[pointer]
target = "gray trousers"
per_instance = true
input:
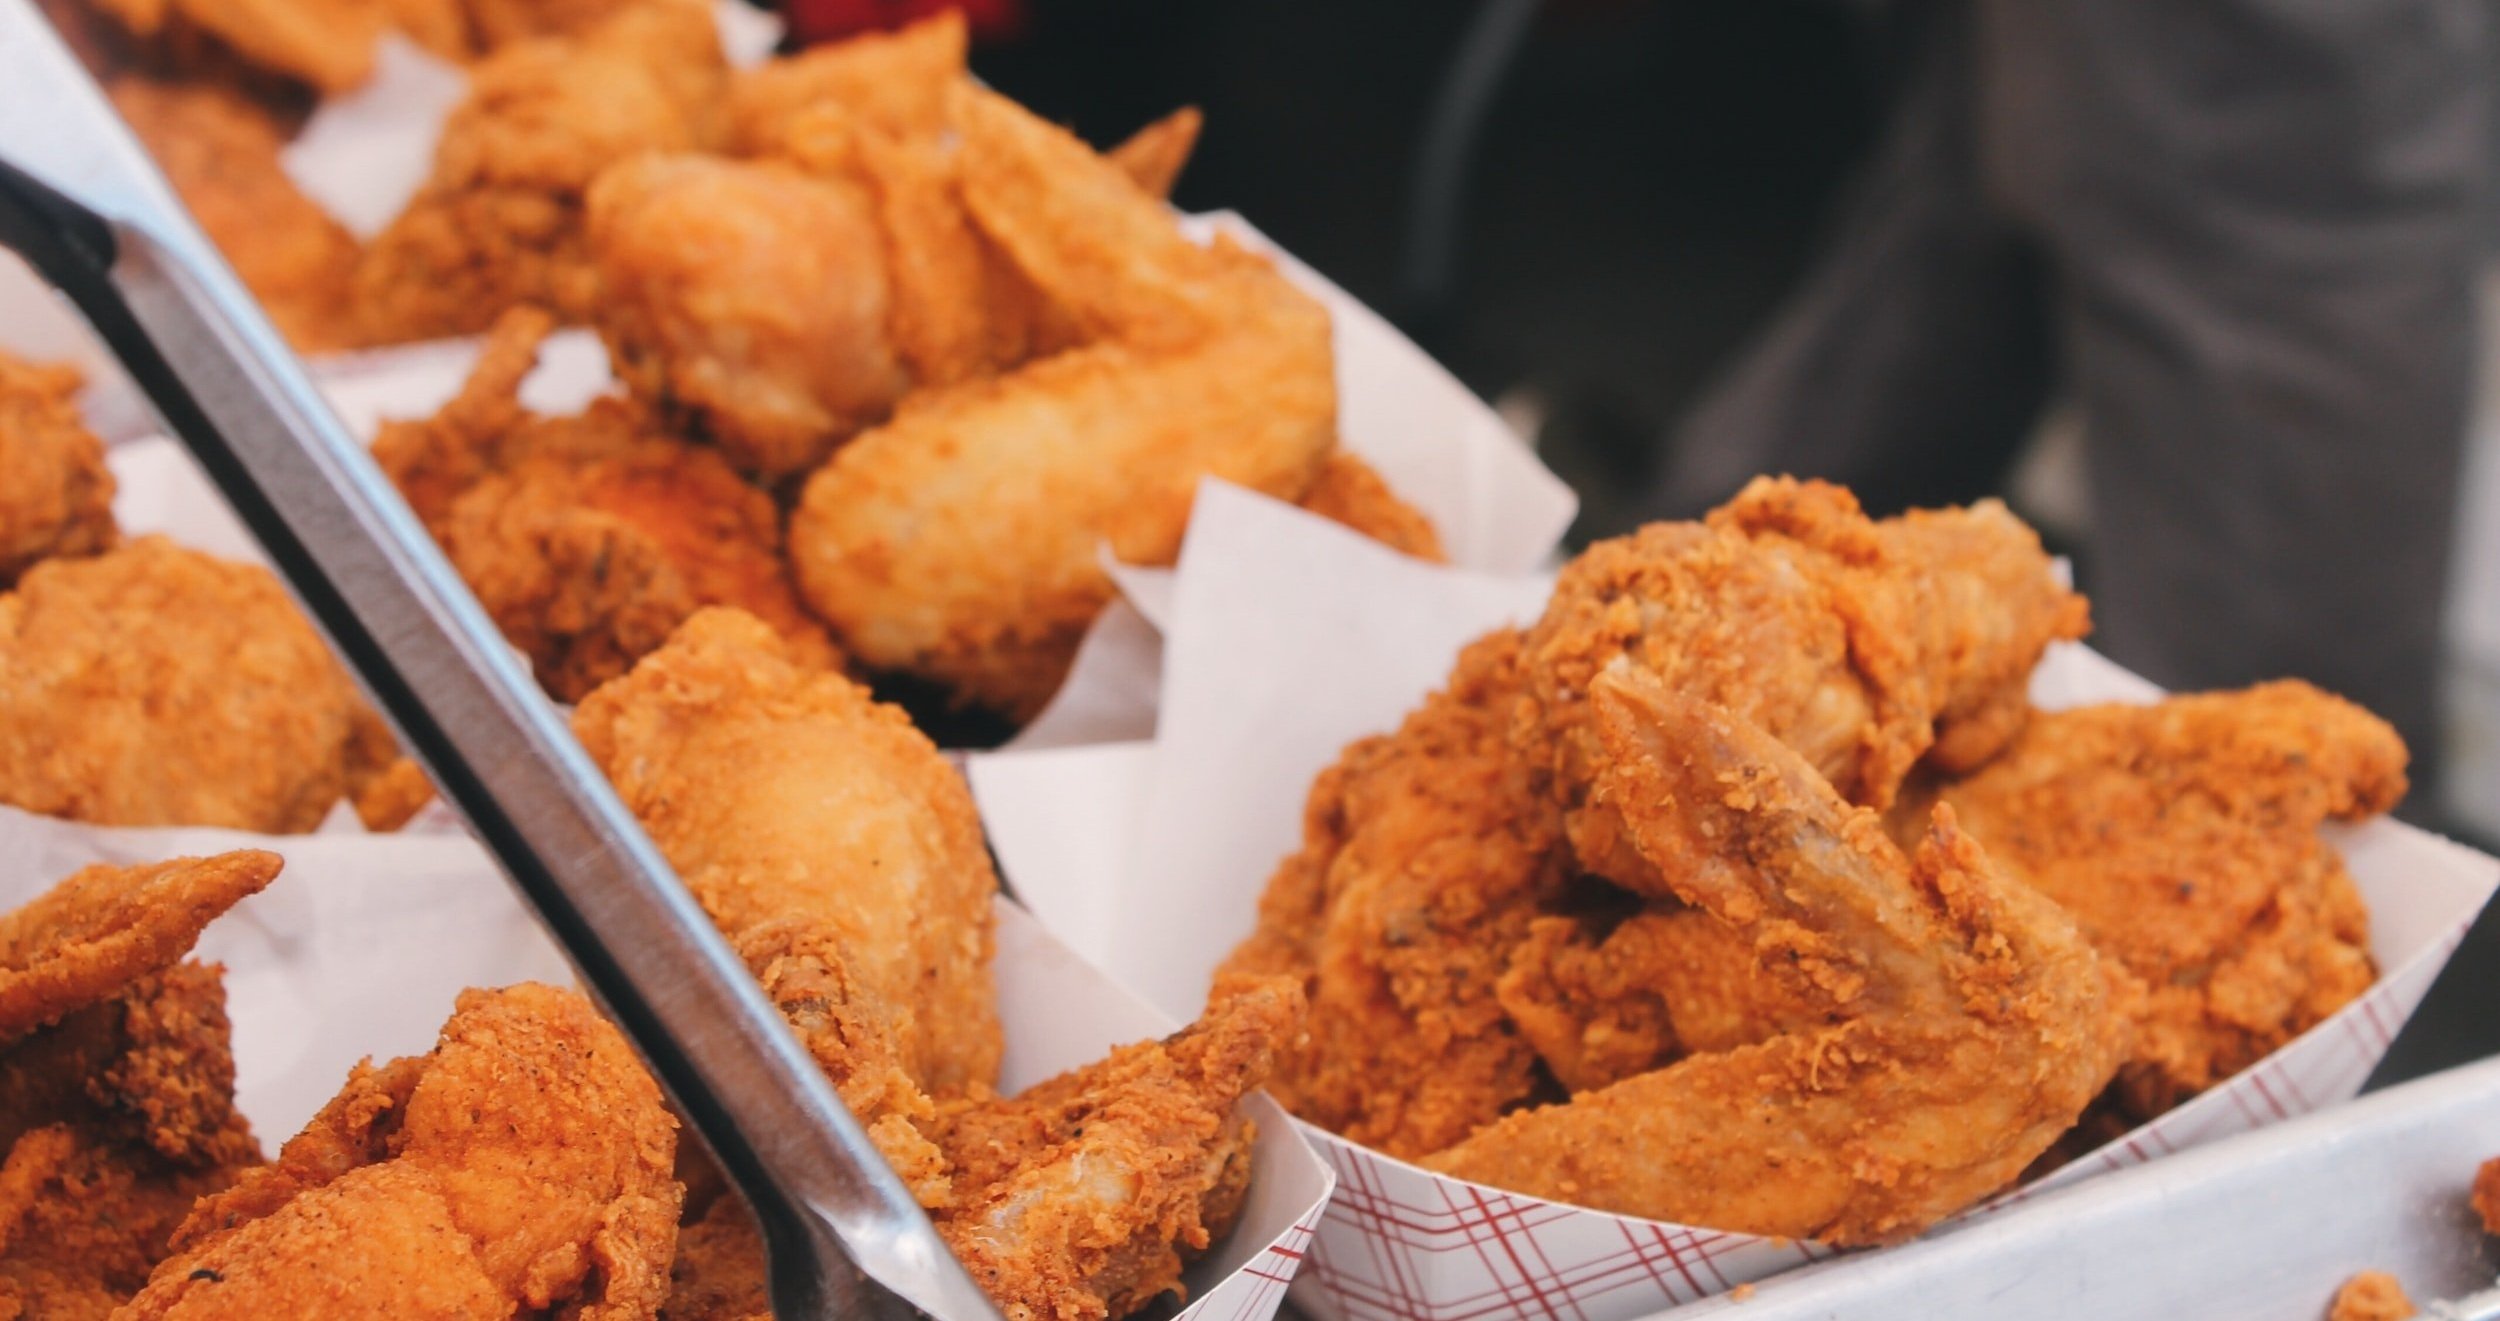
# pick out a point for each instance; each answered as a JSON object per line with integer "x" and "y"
{"x": 2241, "y": 237}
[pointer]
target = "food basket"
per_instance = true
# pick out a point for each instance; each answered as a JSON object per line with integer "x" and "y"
{"x": 1284, "y": 639}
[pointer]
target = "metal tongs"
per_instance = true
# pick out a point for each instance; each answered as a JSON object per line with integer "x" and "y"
{"x": 86, "y": 207}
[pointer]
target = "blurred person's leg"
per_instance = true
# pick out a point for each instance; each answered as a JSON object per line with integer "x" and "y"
{"x": 2263, "y": 219}
{"x": 1915, "y": 356}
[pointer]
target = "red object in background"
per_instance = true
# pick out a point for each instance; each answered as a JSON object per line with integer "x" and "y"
{"x": 812, "y": 21}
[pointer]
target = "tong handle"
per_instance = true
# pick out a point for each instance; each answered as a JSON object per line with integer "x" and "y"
{"x": 845, "y": 1238}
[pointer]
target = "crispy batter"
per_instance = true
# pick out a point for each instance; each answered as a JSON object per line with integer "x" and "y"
{"x": 116, "y": 1079}
{"x": 747, "y": 299}
{"x": 835, "y": 848}
{"x": 2487, "y": 1195}
{"x": 56, "y": 496}
{"x": 1973, "y": 1023}
{"x": 1601, "y": 1003}
{"x": 588, "y": 538}
{"x": 1083, "y": 1197}
{"x": 961, "y": 540}
{"x": 155, "y": 685}
{"x": 719, "y": 1272}
{"x": 105, "y": 926}
{"x": 1861, "y": 645}
{"x": 843, "y": 858}
{"x": 1425, "y": 853}
{"x": 1155, "y": 155}
{"x": 2183, "y": 837}
{"x": 2371, "y": 1296}
{"x": 523, "y": 1164}
{"x": 1351, "y": 492}
{"x": 500, "y": 220}
{"x": 220, "y": 152}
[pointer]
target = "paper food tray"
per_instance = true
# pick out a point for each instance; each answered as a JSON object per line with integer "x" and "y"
{"x": 1288, "y": 637}
{"x": 361, "y": 945}
{"x": 2260, "y": 1227}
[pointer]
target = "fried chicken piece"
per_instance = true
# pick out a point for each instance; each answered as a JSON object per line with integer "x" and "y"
{"x": 837, "y": 850}
{"x": 777, "y": 306}
{"x": 1084, "y": 1196}
{"x": 960, "y": 541}
{"x": 719, "y": 1274}
{"x": 116, "y": 1078}
{"x": 588, "y": 538}
{"x": 499, "y": 221}
{"x": 1155, "y": 155}
{"x": 750, "y": 300}
{"x": 327, "y": 44}
{"x": 220, "y": 149}
{"x": 154, "y": 685}
{"x": 2183, "y": 837}
{"x": 56, "y": 495}
{"x": 524, "y": 1164}
{"x": 1425, "y": 854}
{"x": 2487, "y": 1195}
{"x": 2371, "y": 1296}
{"x": 1972, "y": 1022}
{"x": 1861, "y": 645}
{"x": 1600, "y": 1006}
{"x": 1351, "y": 492}
{"x": 105, "y": 926}
{"x": 897, "y": 83}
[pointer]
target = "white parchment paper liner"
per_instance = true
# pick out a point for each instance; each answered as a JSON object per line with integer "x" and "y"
{"x": 360, "y": 947}
{"x": 1286, "y": 638}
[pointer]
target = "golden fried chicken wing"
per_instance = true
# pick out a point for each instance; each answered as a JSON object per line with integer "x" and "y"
{"x": 499, "y": 221}
{"x": 524, "y": 1164}
{"x": 1861, "y": 645}
{"x": 1155, "y": 155}
{"x": 896, "y": 83}
{"x": 105, "y": 926}
{"x": 155, "y": 685}
{"x": 960, "y": 540}
{"x": 588, "y": 538}
{"x": 1973, "y": 1022}
{"x": 1084, "y": 1196}
{"x": 56, "y": 496}
{"x": 1425, "y": 854}
{"x": 835, "y": 848}
{"x": 219, "y": 150}
{"x": 2183, "y": 837}
{"x": 116, "y": 1079}
{"x": 1351, "y": 492}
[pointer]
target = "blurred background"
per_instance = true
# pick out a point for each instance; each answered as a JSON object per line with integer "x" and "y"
{"x": 1587, "y": 208}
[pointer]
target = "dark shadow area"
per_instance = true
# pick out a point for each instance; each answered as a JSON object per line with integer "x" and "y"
{"x": 1650, "y": 177}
